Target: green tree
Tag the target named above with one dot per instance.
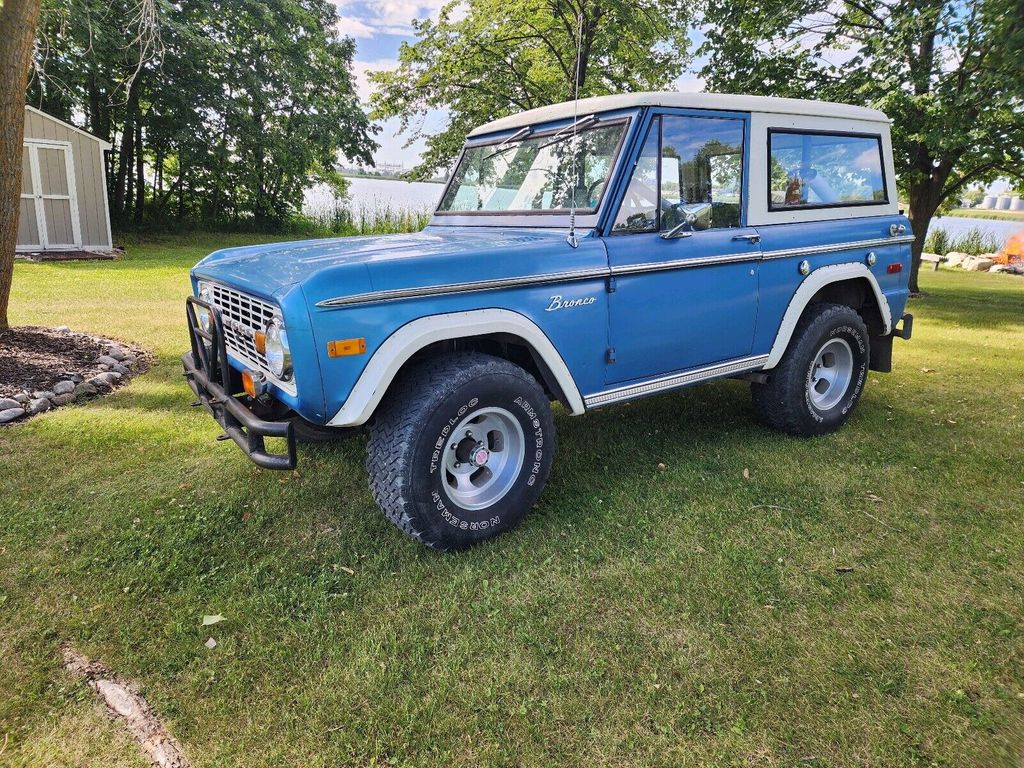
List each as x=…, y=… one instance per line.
x=947, y=73
x=488, y=58
x=220, y=111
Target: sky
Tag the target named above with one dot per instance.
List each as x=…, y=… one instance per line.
x=379, y=27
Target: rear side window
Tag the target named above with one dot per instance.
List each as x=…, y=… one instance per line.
x=823, y=170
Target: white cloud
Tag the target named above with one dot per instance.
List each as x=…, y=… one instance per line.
x=390, y=17
x=360, y=68
x=353, y=27
x=689, y=83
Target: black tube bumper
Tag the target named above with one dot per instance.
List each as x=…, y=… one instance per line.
x=210, y=377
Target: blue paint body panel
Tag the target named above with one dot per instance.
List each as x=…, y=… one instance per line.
x=640, y=306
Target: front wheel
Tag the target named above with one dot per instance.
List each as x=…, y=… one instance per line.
x=461, y=450
x=821, y=376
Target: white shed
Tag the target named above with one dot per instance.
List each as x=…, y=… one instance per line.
x=63, y=187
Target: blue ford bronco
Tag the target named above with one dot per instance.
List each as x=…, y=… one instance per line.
x=589, y=253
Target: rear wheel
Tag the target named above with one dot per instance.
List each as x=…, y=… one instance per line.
x=461, y=450
x=815, y=387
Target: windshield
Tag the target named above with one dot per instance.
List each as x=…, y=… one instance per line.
x=535, y=173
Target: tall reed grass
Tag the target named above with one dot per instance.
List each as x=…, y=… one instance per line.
x=974, y=242
x=343, y=217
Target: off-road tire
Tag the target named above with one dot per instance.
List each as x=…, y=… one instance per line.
x=785, y=402
x=412, y=430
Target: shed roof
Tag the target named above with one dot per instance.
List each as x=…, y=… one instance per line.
x=45, y=115
x=712, y=101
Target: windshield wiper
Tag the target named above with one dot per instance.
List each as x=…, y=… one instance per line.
x=570, y=130
x=522, y=133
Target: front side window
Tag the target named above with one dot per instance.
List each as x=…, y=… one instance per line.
x=816, y=170
x=536, y=173
x=690, y=172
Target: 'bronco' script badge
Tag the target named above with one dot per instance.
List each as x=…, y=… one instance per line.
x=557, y=302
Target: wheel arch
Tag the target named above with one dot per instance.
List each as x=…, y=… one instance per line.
x=500, y=332
x=851, y=284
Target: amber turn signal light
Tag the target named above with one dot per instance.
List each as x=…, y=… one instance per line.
x=248, y=384
x=345, y=347
x=260, y=341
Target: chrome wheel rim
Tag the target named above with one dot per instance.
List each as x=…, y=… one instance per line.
x=483, y=457
x=830, y=374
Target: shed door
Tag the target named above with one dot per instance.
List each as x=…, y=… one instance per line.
x=49, y=208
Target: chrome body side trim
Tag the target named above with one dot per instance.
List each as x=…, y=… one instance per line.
x=810, y=250
x=701, y=261
x=674, y=381
x=397, y=294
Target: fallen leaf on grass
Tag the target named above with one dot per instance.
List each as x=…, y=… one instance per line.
x=662, y=467
x=211, y=643
x=844, y=568
x=874, y=499
x=347, y=570
x=927, y=370
x=746, y=473
x=214, y=619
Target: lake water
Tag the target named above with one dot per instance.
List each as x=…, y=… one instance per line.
x=375, y=194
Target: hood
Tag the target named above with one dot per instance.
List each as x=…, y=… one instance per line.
x=437, y=255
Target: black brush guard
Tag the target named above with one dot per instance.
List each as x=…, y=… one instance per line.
x=215, y=384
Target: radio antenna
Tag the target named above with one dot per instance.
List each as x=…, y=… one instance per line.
x=571, y=239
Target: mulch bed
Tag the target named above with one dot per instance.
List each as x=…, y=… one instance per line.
x=71, y=255
x=34, y=361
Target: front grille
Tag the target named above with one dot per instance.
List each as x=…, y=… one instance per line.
x=239, y=312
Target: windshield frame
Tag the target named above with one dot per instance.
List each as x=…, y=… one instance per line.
x=563, y=127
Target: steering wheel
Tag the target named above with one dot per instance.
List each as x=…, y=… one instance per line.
x=594, y=185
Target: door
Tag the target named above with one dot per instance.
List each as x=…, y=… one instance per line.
x=49, y=207
x=685, y=267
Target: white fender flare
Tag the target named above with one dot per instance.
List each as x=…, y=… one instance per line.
x=382, y=368
x=813, y=283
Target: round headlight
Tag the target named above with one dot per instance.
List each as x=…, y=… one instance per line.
x=279, y=356
x=202, y=313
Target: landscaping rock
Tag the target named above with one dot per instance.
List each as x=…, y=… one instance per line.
x=63, y=387
x=996, y=268
x=120, y=368
x=6, y=403
x=85, y=389
x=47, y=394
x=117, y=354
x=77, y=378
x=106, y=360
x=64, y=399
x=955, y=258
x=22, y=397
x=103, y=367
x=10, y=414
x=977, y=264
x=39, y=405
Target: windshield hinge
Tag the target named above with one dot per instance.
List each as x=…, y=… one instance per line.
x=611, y=284
x=611, y=355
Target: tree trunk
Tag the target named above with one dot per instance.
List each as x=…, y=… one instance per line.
x=18, y=20
x=925, y=197
x=140, y=172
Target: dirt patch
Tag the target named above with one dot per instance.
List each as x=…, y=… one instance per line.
x=125, y=705
x=72, y=255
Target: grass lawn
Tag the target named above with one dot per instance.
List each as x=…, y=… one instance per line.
x=857, y=601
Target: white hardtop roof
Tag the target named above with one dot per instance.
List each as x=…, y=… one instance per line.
x=716, y=101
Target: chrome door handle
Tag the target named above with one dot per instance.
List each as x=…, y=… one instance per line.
x=755, y=238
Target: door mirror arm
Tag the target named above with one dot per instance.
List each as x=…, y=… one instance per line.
x=678, y=231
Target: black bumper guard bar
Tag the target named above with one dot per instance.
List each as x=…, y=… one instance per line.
x=210, y=377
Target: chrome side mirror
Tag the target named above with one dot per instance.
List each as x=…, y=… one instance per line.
x=696, y=217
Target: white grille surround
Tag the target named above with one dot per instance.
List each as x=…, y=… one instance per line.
x=242, y=316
